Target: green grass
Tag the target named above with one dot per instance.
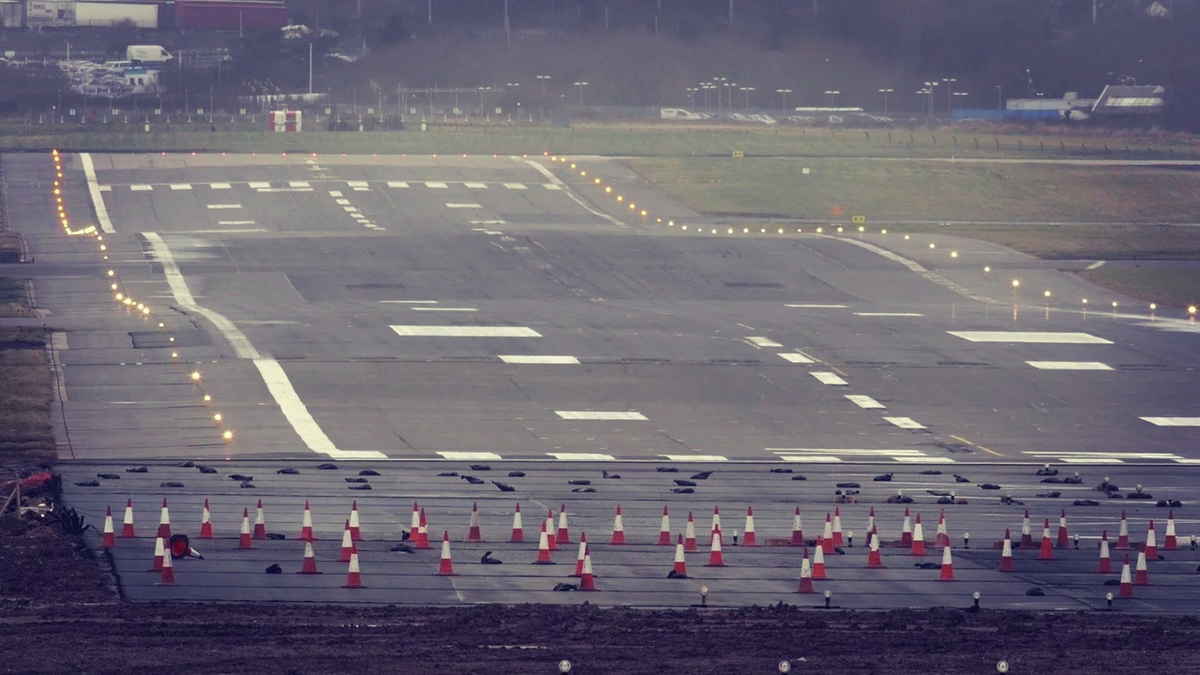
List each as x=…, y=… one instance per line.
x=10, y=246
x=25, y=397
x=1167, y=287
x=14, y=302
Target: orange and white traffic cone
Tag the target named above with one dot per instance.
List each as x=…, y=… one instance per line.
x=1047, y=552
x=680, y=563
x=906, y=534
x=167, y=569
x=1123, y=534
x=871, y=523
x=1151, y=547
x=260, y=522
x=414, y=526
x=806, y=585
x=473, y=533
x=127, y=526
x=446, y=565
x=587, y=581
x=244, y=541
x=306, y=526
x=310, y=560
x=159, y=553
x=551, y=538
x=818, y=561
x=837, y=527
x=206, y=522
x=518, y=531
x=564, y=535
x=1105, y=566
x=582, y=552
x=1026, y=532
x=918, y=538
x=1126, y=590
x=749, y=538
x=664, y=529
x=543, y=553
x=164, y=522
x=1171, y=541
x=1006, y=556
x=347, y=543
x=110, y=535
x=874, y=560
x=947, y=565
x=797, y=529
x=353, y=576
x=941, y=539
x=1064, y=539
x=715, y=525
x=715, y=559
x=618, y=531
x=827, y=534
x=355, y=529
x=689, y=534
x=1140, y=577
x=422, y=531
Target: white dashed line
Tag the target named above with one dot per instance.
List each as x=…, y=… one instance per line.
x=1172, y=421
x=105, y=188
x=357, y=184
x=829, y=378
x=259, y=185
x=762, y=342
x=582, y=457
x=1096, y=265
x=470, y=456
x=796, y=357
x=397, y=184
x=515, y=186
x=220, y=186
x=815, y=306
x=888, y=314
x=696, y=458
x=905, y=423
x=435, y=185
x=600, y=415
x=181, y=186
x=141, y=188
x=551, y=186
x=865, y=402
x=476, y=186
x=224, y=206
x=443, y=309
x=409, y=302
x=463, y=206
x=299, y=184
x=546, y=360
x=1032, y=337
x=235, y=222
x=465, y=331
x=1069, y=365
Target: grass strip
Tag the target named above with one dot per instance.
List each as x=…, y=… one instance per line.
x=26, y=437
x=1169, y=287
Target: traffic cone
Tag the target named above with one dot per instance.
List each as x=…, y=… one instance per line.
x=579, y=559
x=1047, y=552
x=1123, y=534
x=947, y=566
x=543, y=554
x=805, y=575
x=837, y=527
x=715, y=559
x=306, y=526
x=1006, y=557
x=818, y=561
x=587, y=582
x=1151, y=547
x=1126, y=585
x=473, y=533
x=353, y=576
x=664, y=530
x=827, y=534
x=941, y=538
x=206, y=522
x=446, y=566
x=551, y=539
x=797, y=529
x=680, y=563
x=355, y=530
x=1026, y=532
x=1139, y=575
x=1171, y=542
x=918, y=539
x=110, y=539
x=159, y=554
x=1105, y=566
x=689, y=535
x=715, y=526
x=518, y=532
x=167, y=568
x=310, y=560
x=245, y=542
x=260, y=522
x=874, y=560
x=164, y=522
x=906, y=535
x=422, y=531
x=871, y=523
x=347, y=543
x=414, y=526
x=618, y=531
x=749, y=538
x=127, y=527
x=1064, y=540
x=563, y=536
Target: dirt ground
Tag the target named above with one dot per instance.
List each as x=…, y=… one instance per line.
x=60, y=613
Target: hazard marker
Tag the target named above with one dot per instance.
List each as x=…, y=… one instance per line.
x=664, y=529
x=347, y=544
x=837, y=527
x=473, y=533
x=563, y=536
x=1151, y=546
x=414, y=527
x=164, y=522
x=827, y=534
x=1123, y=534
x=874, y=560
x=159, y=554
x=618, y=532
x=1047, y=552
x=582, y=552
x=306, y=526
x=947, y=566
x=446, y=565
x=1026, y=532
x=689, y=536
x=1063, y=537
x=110, y=538
x=422, y=531
x=1139, y=576
x=918, y=538
x=244, y=541
x=715, y=559
x=353, y=576
x=941, y=538
x=805, y=576
x=818, y=561
x=518, y=532
x=1126, y=590
x=906, y=534
x=355, y=530
x=1171, y=541
x=1006, y=557
x=749, y=539
x=797, y=529
x=1105, y=566
x=167, y=568
x=715, y=527
x=543, y=554
x=310, y=560
x=206, y=522
x=127, y=527
x=680, y=563
x=551, y=539
x=587, y=582
x=260, y=522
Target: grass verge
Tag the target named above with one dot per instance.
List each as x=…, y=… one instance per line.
x=10, y=246
x=26, y=393
x=1166, y=287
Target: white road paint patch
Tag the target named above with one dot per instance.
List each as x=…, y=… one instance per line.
x=888, y=314
x=397, y=184
x=435, y=185
x=443, y=309
x=814, y=306
x=1029, y=337
x=335, y=193
x=696, y=458
x=357, y=183
x=224, y=206
x=922, y=271
x=219, y=186
x=181, y=186
x=409, y=302
x=471, y=456
x=1173, y=421
x=1069, y=365
x=1096, y=265
x=106, y=188
x=141, y=188
x=285, y=189
x=230, y=231
x=539, y=359
x=299, y=184
x=905, y=422
x=465, y=331
x=94, y=191
x=342, y=201
x=1079, y=457
x=582, y=457
x=865, y=402
x=551, y=186
x=849, y=452
x=350, y=209
x=58, y=340
x=762, y=342
x=476, y=186
x=259, y=185
x=600, y=415
x=814, y=459
x=829, y=378
x=515, y=186
x=556, y=184
x=485, y=222
x=463, y=206
x=923, y=460
x=796, y=357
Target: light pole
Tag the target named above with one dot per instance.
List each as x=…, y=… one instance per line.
x=747, y=91
x=718, y=82
x=581, y=85
x=961, y=102
x=885, y=93
x=949, y=88
x=543, y=78
x=692, y=95
x=831, y=93
x=783, y=94
x=999, y=97
x=481, y=90
x=354, y=99
x=1039, y=98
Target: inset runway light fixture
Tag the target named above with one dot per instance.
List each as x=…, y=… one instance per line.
x=227, y=436
x=704, y=596
x=828, y=598
x=195, y=376
x=975, y=597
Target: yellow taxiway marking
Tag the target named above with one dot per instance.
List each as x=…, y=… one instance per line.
x=975, y=445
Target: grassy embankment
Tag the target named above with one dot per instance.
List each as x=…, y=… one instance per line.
x=25, y=383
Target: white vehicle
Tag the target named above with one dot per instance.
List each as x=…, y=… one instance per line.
x=147, y=54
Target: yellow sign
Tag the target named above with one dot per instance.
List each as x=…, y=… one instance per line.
x=858, y=220
x=738, y=154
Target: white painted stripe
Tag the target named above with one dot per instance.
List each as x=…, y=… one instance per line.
x=485, y=222
x=574, y=197
x=599, y=415
x=923, y=460
x=141, y=188
x=582, y=457
x=696, y=458
x=888, y=314
x=1095, y=265
x=235, y=222
x=350, y=209
x=228, y=231
x=515, y=186
x=1033, y=337
x=219, y=186
x=435, y=185
x=795, y=358
x=1173, y=421
x=829, y=378
x=539, y=359
x=551, y=186
x=1069, y=365
x=463, y=206
x=106, y=188
x=865, y=402
x=272, y=373
x=357, y=183
x=299, y=184
x=362, y=189
x=397, y=184
x=762, y=342
x=335, y=193
x=465, y=331
x=409, y=302
x=94, y=191
x=443, y=309
x=845, y=451
x=342, y=201
x=258, y=185
x=1087, y=455
x=815, y=459
x=284, y=189
x=1090, y=460
x=181, y=186
x=476, y=186
x=470, y=456
x=904, y=422
x=224, y=206
x=815, y=306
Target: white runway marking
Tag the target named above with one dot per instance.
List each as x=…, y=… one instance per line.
x=599, y=415
x=106, y=188
x=259, y=185
x=1071, y=457
x=342, y=201
x=1173, y=421
x=299, y=184
x=235, y=222
x=1095, y=265
x=829, y=378
x=539, y=359
x=471, y=456
x=1069, y=365
x=335, y=193
x=762, y=342
x=224, y=206
x=865, y=402
x=463, y=206
x=94, y=192
x=141, y=188
x=796, y=357
x=443, y=309
x=582, y=457
x=515, y=186
x=435, y=185
x=815, y=306
x=817, y=455
x=409, y=302
x=219, y=186
x=349, y=209
x=905, y=422
x=181, y=186
x=397, y=184
x=230, y=231
x=465, y=331
x=1031, y=337
x=696, y=458
x=357, y=183
x=476, y=186
x=551, y=186
x=888, y=314
x=285, y=189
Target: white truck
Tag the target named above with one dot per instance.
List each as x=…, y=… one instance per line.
x=147, y=55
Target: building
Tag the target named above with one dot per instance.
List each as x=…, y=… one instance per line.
x=230, y=14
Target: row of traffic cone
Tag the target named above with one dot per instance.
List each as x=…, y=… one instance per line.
x=206, y=527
